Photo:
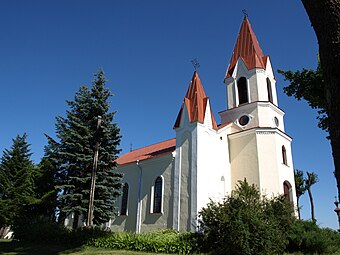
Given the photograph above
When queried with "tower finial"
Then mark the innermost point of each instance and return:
(195, 64)
(245, 13)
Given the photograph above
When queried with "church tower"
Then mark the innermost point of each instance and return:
(260, 150)
(176, 178)
(201, 163)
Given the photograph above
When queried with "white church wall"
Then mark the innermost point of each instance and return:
(188, 166)
(163, 167)
(266, 114)
(128, 222)
(286, 171)
(243, 157)
(213, 167)
(267, 156)
(139, 218)
(269, 73)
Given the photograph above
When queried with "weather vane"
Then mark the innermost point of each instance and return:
(245, 13)
(195, 64)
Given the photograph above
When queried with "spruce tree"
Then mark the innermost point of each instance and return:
(77, 136)
(17, 191)
(46, 182)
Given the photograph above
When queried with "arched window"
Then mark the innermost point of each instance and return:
(269, 90)
(242, 90)
(287, 188)
(284, 155)
(123, 208)
(157, 199)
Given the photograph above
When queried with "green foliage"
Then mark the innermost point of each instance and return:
(53, 233)
(246, 223)
(72, 154)
(309, 85)
(299, 183)
(17, 190)
(307, 237)
(163, 241)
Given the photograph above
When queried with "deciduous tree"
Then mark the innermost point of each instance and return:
(312, 178)
(300, 187)
(246, 223)
(325, 19)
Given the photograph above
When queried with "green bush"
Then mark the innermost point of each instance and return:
(47, 232)
(163, 241)
(246, 223)
(307, 237)
(44, 232)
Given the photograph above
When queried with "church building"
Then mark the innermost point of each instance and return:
(166, 184)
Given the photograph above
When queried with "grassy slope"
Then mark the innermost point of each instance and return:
(16, 248)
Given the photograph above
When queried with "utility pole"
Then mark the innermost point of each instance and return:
(93, 176)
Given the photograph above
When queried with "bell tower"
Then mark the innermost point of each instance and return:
(260, 150)
(250, 84)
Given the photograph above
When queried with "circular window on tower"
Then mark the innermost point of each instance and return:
(244, 120)
(276, 120)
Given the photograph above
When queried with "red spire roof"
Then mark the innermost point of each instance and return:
(196, 103)
(248, 48)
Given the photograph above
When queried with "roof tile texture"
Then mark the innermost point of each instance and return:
(248, 48)
(148, 152)
(196, 102)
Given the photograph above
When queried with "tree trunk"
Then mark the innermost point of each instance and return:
(325, 18)
(298, 207)
(75, 220)
(311, 205)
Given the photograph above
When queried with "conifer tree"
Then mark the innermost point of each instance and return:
(17, 191)
(77, 136)
(46, 182)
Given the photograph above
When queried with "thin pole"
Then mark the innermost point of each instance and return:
(93, 178)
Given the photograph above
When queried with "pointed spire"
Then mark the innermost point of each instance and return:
(248, 48)
(196, 103)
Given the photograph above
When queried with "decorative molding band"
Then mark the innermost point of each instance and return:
(265, 132)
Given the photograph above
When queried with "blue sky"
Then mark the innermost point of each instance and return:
(49, 49)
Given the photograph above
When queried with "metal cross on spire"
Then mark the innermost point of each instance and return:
(245, 13)
(195, 63)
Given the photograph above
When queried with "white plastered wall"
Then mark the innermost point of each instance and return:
(244, 158)
(213, 167)
(149, 170)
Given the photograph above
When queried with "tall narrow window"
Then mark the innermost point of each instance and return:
(287, 191)
(284, 155)
(157, 200)
(242, 90)
(269, 90)
(123, 208)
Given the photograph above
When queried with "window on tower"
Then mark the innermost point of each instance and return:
(287, 190)
(123, 208)
(157, 200)
(284, 155)
(269, 90)
(242, 91)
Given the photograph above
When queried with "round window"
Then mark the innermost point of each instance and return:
(244, 120)
(276, 120)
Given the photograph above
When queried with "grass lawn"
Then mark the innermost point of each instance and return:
(8, 247)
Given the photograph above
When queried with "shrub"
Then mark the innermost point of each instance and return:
(246, 223)
(44, 232)
(163, 241)
(47, 232)
(309, 238)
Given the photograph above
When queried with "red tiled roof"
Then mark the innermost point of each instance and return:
(196, 103)
(248, 48)
(148, 152)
